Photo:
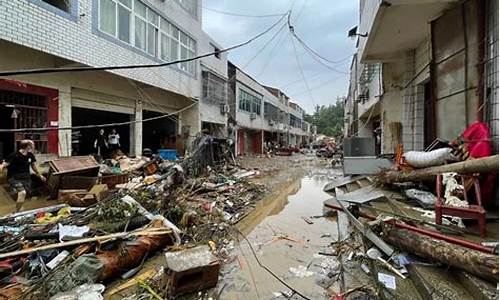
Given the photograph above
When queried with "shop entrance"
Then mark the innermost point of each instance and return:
(82, 140)
(159, 133)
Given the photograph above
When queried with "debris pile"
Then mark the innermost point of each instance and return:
(430, 208)
(108, 227)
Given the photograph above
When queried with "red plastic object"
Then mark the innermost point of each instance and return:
(474, 211)
(477, 137)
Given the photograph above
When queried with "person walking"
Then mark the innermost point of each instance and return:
(113, 140)
(18, 171)
(100, 143)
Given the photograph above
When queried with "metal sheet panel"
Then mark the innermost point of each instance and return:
(368, 165)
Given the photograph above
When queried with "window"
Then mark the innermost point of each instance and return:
(214, 88)
(249, 102)
(124, 15)
(176, 45)
(270, 111)
(107, 13)
(132, 22)
(63, 5)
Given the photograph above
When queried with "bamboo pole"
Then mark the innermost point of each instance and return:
(475, 262)
(147, 232)
(480, 165)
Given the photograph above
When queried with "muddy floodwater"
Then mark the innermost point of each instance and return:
(286, 232)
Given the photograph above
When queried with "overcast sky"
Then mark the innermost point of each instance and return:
(322, 24)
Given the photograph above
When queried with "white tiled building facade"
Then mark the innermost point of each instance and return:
(61, 33)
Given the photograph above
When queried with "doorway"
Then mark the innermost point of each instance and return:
(159, 133)
(22, 110)
(82, 140)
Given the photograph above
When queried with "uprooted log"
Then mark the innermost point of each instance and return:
(480, 165)
(475, 262)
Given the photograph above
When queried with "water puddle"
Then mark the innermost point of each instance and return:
(286, 231)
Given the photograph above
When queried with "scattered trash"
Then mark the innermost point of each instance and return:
(191, 270)
(388, 281)
(300, 271)
(425, 199)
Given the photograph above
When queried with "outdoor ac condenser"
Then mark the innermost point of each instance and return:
(359, 146)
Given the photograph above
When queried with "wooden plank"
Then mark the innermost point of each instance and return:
(150, 231)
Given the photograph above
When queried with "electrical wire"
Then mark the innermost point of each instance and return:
(121, 67)
(302, 71)
(100, 125)
(168, 115)
(320, 85)
(311, 49)
(273, 53)
(242, 15)
(299, 80)
(269, 270)
(324, 64)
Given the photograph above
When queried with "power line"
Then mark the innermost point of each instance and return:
(299, 80)
(83, 69)
(273, 53)
(100, 125)
(255, 56)
(302, 71)
(317, 86)
(312, 50)
(323, 64)
(242, 15)
(269, 270)
(265, 45)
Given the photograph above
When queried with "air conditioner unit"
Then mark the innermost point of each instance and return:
(253, 116)
(224, 109)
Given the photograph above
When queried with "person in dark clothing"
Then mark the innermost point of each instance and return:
(100, 143)
(18, 171)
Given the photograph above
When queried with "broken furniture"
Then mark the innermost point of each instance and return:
(191, 270)
(85, 168)
(475, 211)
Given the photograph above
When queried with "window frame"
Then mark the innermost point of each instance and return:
(249, 103)
(191, 45)
(70, 15)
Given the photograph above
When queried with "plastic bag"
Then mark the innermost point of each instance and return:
(425, 199)
(83, 292)
(422, 159)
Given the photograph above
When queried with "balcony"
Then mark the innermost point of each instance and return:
(395, 26)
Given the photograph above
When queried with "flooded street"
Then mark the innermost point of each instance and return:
(287, 233)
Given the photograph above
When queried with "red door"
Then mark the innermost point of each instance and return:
(241, 142)
(257, 142)
(51, 96)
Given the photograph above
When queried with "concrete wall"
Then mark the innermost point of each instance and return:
(75, 38)
(94, 90)
(392, 105)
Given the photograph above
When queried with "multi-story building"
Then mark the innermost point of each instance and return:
(50, 33)
(432, 70)
(261, 114)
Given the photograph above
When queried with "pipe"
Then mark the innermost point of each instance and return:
(427, 232)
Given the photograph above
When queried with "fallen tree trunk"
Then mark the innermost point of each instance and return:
(475, 262)
(480, 165)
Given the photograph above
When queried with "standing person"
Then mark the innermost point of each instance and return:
(18, 171)
(100, 143)
(113, 140)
